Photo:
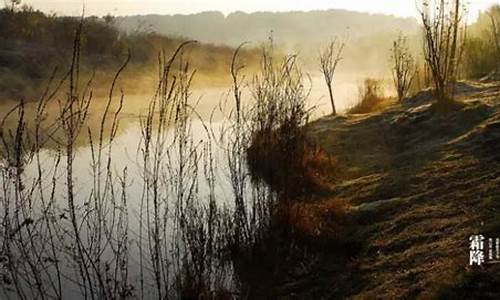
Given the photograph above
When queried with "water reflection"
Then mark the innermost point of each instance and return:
(49, 166)
(210, 104)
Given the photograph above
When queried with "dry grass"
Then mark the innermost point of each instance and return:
(417, 206)
(309, 170)
(319, 221)
(370, 97)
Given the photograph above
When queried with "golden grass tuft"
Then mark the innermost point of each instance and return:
(321, 220)
(302, 169)
(370, 97)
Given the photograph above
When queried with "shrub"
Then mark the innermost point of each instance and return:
(370, 97)
(479, 58)
(482, 50)
(403, 67)
(279, 150)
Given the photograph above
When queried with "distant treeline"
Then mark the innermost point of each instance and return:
(369, 36)
(293, 29)
(33, 44)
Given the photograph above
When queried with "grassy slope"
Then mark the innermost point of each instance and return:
(420, 183)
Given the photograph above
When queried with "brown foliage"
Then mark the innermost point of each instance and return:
(370, 97)
(299, 170)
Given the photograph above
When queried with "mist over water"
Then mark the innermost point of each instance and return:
(96, 187)
(246, 155)
(212, 104)
(212, 107)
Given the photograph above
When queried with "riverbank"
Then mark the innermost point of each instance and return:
(418, 183)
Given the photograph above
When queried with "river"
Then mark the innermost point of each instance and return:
(127, 175)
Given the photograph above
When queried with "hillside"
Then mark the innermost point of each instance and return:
(290, 28)
(305, 33)
(419, 183)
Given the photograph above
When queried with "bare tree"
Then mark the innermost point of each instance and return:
(494, 15)
(12, 4)
(444, 39)
(329, 59)
(403, 66)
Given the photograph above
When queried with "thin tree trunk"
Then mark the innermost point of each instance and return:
(334, 110)
(453, 56)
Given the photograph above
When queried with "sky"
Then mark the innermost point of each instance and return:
(404, 8)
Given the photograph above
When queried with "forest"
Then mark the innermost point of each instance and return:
(33, 44)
